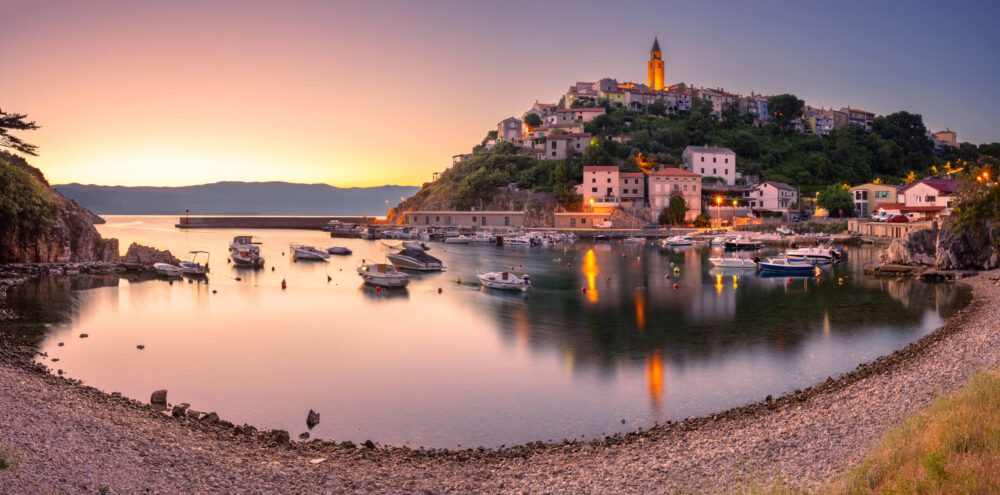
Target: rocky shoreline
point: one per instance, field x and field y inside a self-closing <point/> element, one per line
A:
<point x="69" y="437"/>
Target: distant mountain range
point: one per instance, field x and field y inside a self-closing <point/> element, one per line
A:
<point x="236" y="198"/>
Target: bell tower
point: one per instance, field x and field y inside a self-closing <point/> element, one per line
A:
<point x="654" y="68"/>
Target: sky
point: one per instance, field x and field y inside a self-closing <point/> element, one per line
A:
<point x="385" y="92"/>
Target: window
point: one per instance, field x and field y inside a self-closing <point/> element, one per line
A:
<point x="577" y="145"/>
<point x="506" y="221"/>
<point x="437" y="219"/>
<point x="609" y="191"/>
<point x="702" y="170"/>
<point x="593" y="189"/>
<point x="473" y="219"/>
<point x="553" y="146"/>
<point x="609" y="180"/>
<point x="583" y="221"/>
<point x="727" y="160"/>
<point x="713" y="159"/>
<point x="703" y="159"/>
<point x="447" y="220"/>
<point x="713" y="171"/>
<point x="553" y="153"/>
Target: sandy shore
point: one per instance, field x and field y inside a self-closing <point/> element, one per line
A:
<point x="68" y="438"/>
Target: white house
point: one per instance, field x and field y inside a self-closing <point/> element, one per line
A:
<point x="632" y="186"/>
<point x="772" y="196"/>
<point x="930" y="197"/>
<point x="666" y="183"/>
<point x="557" y="146"/>
<point x="711" y="161"/>
<point x="601" y="187"/>
<point x="509" y="130"/>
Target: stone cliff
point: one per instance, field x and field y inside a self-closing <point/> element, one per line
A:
<point x="71" y="237"/>
<point x="949" y="248"/>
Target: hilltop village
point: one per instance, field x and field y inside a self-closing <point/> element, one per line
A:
<point x="630" y="153"/>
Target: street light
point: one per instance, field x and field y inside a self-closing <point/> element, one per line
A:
<point x="718" y="210"/>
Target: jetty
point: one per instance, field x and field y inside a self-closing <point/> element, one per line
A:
<point x="270" y="222"/>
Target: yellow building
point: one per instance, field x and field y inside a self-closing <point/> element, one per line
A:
<point x="654" y="67"/>
<point x="869" y="197"/>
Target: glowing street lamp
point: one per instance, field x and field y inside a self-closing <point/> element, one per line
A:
<point x="718" y="210"/>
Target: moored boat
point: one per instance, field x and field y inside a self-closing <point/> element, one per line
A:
<point x="339" y="250"/>
<point x="167" y="270"/>
<point x="415" y="259"/>
<point x="505" y="281"/>
<point x="736" y="262"/>
<point x="458" y="239"/>
<point x="786" y="265"/>
<point x="742" y="242"/>
<point x="244" y="251"/>
<point x="383" y="275"/>
<point x="307" y="253"/>
<point x="193" y="267"/>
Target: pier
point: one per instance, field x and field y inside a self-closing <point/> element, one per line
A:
<point x="269" y="222"/>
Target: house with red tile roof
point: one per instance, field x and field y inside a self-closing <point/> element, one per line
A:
<point x="931" y="197"/>
<point x="666" y="183"/>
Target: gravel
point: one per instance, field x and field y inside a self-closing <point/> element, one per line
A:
<point x="70" y="438"/>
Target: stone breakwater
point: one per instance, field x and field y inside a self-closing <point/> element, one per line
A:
<point x="67" y="437"/>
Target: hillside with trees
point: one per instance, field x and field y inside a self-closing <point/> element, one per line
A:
<point x="897" y="150"/>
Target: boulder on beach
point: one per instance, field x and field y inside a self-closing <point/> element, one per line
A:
<point x="159" y="397"/>
<point x="145" y="255"/>
<point x="180" y="410"/>
<point x="210" y="418"/>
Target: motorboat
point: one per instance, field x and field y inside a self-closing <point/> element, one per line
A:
<point x="786" y="265"/>
<point x="676" y="241"/>
<point x="193" y="267"/>
<point x="458" y="239"/>
<point x="383" y="275"/>
<point x="633" y="240"/>
<point x="244" y="251"/>
<point x="718" y="240"/>
<point x="521" y="240"/>
<point x="505" y="281"/>
<point x="602" y="237"/>
<point x="784" y="231"/>
<point x="338" y="250"/>
<point x="167" y="270"/>
<point x="822" y="254"/>
<point x="307" y="253"/>
<point x="416" y="245"/>
<point x="415" y="259"/>
<point x="736" y="262"/>
<point x="742" y="242"/>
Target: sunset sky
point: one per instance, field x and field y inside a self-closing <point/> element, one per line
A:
<point x="372" y="93"/>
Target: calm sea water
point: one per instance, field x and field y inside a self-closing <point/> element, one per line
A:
<point x="467" y="366"/>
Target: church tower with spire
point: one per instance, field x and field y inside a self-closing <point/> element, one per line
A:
<point x="654" y="67"/>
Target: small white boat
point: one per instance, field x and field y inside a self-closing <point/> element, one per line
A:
<point x="415" y="259"/>
<point x="522" y="240"/>
<point x="339" y="250"/>
<point x="459" y="239"/>
<point x="822" y="254"/>
<point x="784" y="231"/>
<point x="383" y="275"/>
<point x="416" y="245"/>
<point x="193" y="267"/>
<point x="742" y="242"/>
<point x="676" y="241"/>
<point x="167" y="270"/>
<point x="633" y="240"/>
<point x="245" y="252"/>
<point x="732" y="262"/>
<point x="505" y="281"/>
<point x="307" y="253"/>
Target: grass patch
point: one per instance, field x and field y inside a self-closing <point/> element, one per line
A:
<point x="953" y="446"/>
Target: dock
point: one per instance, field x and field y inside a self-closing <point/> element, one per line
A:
<point x="269" y="222"/>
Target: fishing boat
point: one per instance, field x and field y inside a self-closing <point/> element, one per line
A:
<point x="193" y="267"/>
<point x="742" y="242"/>
<point x="307" y="253"/>
<point x="167" y="270"/>
<point x="415" y="259"/>
<point x="505" y="281"/>
<point x="786" y="265"/>
<point x="736" y="262"/>
<point x="245" y="252"/>
<point x="338" y="250"/>
<point x="383" y="275"/>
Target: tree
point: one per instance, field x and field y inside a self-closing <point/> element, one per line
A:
<point x="836" y="199"/>
<point x="785" y="108"/>
<point x="15" y="122"/>
<point x="656" y="109"/>
<point x="595" y="154"/>
<point x="532" y="120"/>
<point x="674" y="213"/>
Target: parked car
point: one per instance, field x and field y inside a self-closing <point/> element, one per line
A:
<point x="800" y="217"/>
<point x="897" y="219"/>
<point x="604" y="225"/>
<point x="914" y="216"/>
<point x="879" y="216"/>
<point x="652" y="226"/>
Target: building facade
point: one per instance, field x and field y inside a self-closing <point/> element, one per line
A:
<point x="711" y="161"/>
<point x="560" y="145"/>
<point x="601" y="187"/>
<point x="772" y="196"/>
<point x="468" y="219"/>
<point x="509" y="130"/>
<point x="654" y="68"/>
<point x="666" y="183"/>
<point x="632" y="187"/>
<point x="869" y="197"/>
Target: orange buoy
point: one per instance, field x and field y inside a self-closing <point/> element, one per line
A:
<point x="789" y="279"/>
<point x="283" y="285"/>
<point x="519" y="265"/>
<point x="440" y="290"/>
<point x="378" y="289"/>
<point x="569" y="265"/>
<point x="583" y="289"/>
<point x="676" y="286"/>
<point x="135" y="278"/>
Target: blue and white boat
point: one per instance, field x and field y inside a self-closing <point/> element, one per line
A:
<point x="786" y="265"/>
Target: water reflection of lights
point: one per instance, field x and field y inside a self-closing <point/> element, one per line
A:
<point x="654" y="379"/>
<point x="735" y="284"/>
<point x="640" y="308"/>
<point x="590" y="271"/>
<point x="718" y="283"/>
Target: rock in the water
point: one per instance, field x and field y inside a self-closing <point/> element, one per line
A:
<point x="146" y="255"/>
<point x="348" y="445"/>
<point x="369" y="444"/>
<point x="312" y="419"/>
<point x="304" y="435"/>
<point x="210" y="418"/>
<point x="140" y="347"/>
<point x="180" y="410"/>
<point x="918" y="247"/>
<point x="159" y="397"/>
<point x="83" y="335"/>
